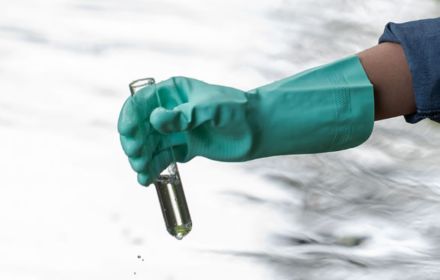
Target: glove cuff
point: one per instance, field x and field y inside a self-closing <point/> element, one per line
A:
<point x="354" y="105"/>
<point x="323" y="109"/>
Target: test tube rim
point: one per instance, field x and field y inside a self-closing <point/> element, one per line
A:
<point x="134" y="84"/>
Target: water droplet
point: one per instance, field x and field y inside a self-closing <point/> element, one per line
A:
<point x="179" y="236"/>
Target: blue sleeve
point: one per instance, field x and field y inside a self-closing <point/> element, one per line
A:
<point x="420" y="41"/>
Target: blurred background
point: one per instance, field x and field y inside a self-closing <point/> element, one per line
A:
<point x="70" y="207"/>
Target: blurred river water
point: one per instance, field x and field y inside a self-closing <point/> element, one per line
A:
<point x="70" y="207"/>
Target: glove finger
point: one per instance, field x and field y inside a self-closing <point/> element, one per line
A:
<point x="132" y="145"/>
<point x="144" y="179"/>
<point x="129" y="118"/>
<point x="140" y="163"/>
<point x="146" y="100"/>
<point x="155" y="167"/>
<point x="136" y="111"/>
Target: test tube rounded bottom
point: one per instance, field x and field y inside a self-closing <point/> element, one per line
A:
<point x="173" y="204"/>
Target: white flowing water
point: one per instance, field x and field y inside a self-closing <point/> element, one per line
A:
<point x="70" y="207"/>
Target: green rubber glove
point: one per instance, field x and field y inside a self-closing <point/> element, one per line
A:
<point x="323" y="109"/>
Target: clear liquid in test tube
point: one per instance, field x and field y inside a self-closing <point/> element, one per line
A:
<point x="169" y="185"/>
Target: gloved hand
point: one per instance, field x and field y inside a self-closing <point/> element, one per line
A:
<point x="323" y="109"/>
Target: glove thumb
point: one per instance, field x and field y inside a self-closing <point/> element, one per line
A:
<point x="177" y="119"/>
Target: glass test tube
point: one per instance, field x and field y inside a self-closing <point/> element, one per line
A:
<point x="169" y="185"/>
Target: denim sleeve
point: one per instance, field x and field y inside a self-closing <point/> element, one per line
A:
<point x="420" y="41"/>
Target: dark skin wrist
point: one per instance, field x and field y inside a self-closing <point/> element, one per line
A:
<point x="388" y="71"/>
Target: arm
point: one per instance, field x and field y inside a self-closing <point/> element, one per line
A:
<point x="388" y="71"/>
<point x="327" y="108"/>
<point x="416" y="48"/>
